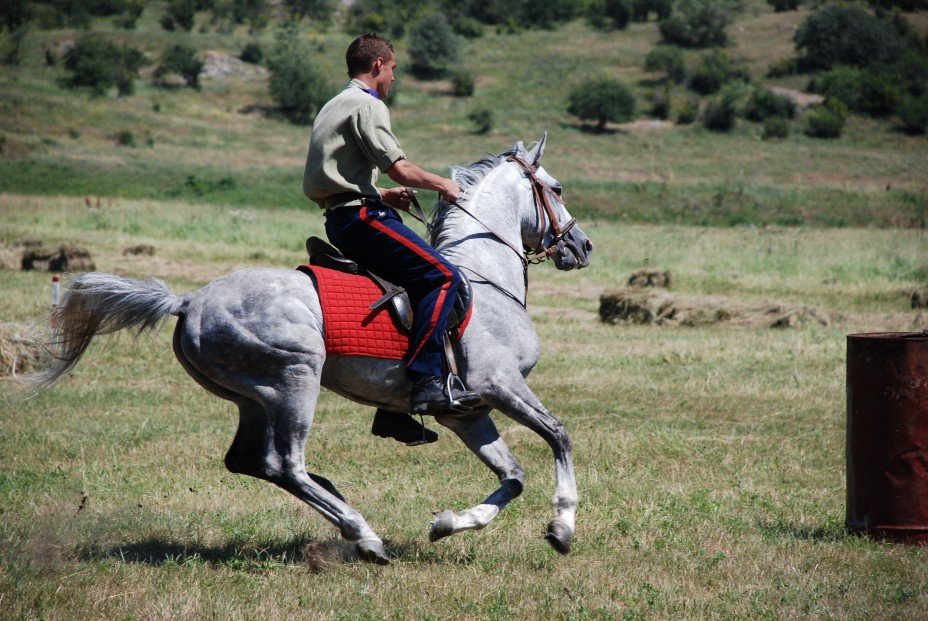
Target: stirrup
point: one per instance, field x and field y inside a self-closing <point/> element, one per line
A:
<point x="455" y="405"/>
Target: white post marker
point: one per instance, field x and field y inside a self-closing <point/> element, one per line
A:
<point x="56" y="283"/>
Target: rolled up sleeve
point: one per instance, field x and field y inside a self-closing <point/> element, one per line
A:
<point x="375" y="136"/>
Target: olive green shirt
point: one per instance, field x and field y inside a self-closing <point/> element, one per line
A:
<point x="351" y="139"/>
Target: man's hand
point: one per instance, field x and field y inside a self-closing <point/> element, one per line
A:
<point x="405" y="172"/>
<point x="398" y="198"/>
<point x="452" y="191"/>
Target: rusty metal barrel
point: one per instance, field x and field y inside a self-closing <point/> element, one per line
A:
<point x="887" y="435"/>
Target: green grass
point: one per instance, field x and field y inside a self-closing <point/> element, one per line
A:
<point x="710" y="460"/>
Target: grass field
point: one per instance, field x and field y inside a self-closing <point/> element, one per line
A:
<point x="710" y="460"/>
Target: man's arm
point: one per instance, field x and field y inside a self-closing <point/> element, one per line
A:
<point x="406" y="173"/>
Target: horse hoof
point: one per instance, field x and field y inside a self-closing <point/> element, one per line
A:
<point x="442" y="525"/>
<point x="558" y="536"/>
<point x="372" y="551"/>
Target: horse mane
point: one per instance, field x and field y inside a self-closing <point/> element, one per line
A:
<point x="468" y="177"/>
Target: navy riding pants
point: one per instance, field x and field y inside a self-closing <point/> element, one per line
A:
<point x="374" y="235"/>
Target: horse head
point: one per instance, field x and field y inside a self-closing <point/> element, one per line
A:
<point x="547" y="226"/>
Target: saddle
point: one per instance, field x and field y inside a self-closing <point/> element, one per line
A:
<point x="394" y="298"/>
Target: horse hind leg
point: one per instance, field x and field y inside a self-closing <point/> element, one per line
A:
<point x="482" y="438"/>
<point x="270" y="445"/>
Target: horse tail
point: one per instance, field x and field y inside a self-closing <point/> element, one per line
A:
<point x="98" y="303"/>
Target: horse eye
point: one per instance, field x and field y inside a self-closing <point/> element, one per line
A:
<point x="558" y="189"/>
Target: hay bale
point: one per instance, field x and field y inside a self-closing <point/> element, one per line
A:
<point x="146" y="249"/>
<point x="66" y="258"/>
<point x="21" y="349"/>
<point x="633" y="306"/>
<point x="920" y="298"/>
<point x="651" y="278"/>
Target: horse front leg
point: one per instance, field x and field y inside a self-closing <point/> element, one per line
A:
<point x="480" y="435"/>
<point x="512" y="396"/>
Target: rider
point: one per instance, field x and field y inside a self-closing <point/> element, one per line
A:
<point x="351" y="141"/>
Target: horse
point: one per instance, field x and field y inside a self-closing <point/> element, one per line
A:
<point x="255" y="337"/>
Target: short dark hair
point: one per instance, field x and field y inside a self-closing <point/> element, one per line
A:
<point x="364" y="50"/>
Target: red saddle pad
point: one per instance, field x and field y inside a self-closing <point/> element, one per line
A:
<point x="351" y="328"/>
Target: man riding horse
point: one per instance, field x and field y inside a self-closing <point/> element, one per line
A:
<point x="351" y="142"/>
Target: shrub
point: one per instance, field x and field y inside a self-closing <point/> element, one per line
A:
<point x="765" y="104"/>
<point x="720" y="115"/>
<point x="610" y="13"/>
<point x="468" y="28"/>
<point x="252" y="53"/>
<point x="715" y="70"/>
<point x="781" y="6"/>
<point x="689" y="111"/>
<point x="846" y="35"/>
<point x="297" y="88"/>
<point x="667" y="59"/>
<point x="660" y="103"/>
<point x="482" y="118"/>
<point x="826" y="121"/>
<point x="433" y="47"/>
<point x="179" y="13"/>
<point x="320" y="10"/>
<point x="641" y="9"/>
<point x="841" y="83"/>
<point x="775" y="128"/>
<point x="125" y="138"/>
<point x="697" y="23"/>
<point x="13" y="14"/>
<point x="602" y="100"/>
<point x="913" y="112"/>
<point x="183" y="61"/>
<point x="97" y="63"/>
<point x="462" y="84"/>
<point x="879" y="92"/>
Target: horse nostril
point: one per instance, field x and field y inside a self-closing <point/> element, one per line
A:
<point x="589" y="246"/>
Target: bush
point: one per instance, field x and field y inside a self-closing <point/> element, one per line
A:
<point x="660" y="103"/>
<point x="179" y="13"/>
<point x="689" y="112"/>
<point x="468" y="28"/>
<point x="697" y="23"/>
<point x="125" y="138"/>
<point x="841" y="83"/>
<point x="765" y="104"/>
<point x="462" y="84"/>
<point x="183" y="61"/>
<point x="715" y="70"/>
<point x="97" y="63"/>
<point x="781" y="6"/>
<point x="252" y="53"/>
<point x="602" y="100"/>
<point x="483" y="119"/>
<point x="319" y="10"/>
<point x="775" y="128"/>
<point x="826" y="121"/>
<point x="667" y="59"/>
<point x="433" y="47"/>
<point x="846" y="35"/>
<point x="913" y="112"/>
<point x="879" y="92"/>
<point x="720" y="115"/>
<point x="609" y="13"/>
<point x="297" y="88"/>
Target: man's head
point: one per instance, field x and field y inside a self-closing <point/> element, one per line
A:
<point x="370" y="58"/>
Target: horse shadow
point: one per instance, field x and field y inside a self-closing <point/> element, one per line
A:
<point x="316" y="554"/>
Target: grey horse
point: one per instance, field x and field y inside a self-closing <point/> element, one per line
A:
<point x="255" y="337"/>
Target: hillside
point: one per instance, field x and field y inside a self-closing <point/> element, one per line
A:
<point x="225" y="144"/>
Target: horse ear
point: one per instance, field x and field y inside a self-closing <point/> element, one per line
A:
<point x="519" y="149"/>
<point x="535" y="154"/>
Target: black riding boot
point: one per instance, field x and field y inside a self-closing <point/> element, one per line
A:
<point x="430" y="396"/>
<point x="401" y="427"/>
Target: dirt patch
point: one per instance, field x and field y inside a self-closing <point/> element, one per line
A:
<point x="21" y="349"/>
<point x="801" y="99"/>
<point x="643" y="126"/>
<point x="664" y="309"/>
<point x="221" y="66"/>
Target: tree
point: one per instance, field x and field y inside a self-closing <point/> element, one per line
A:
<point x="667" y="59"/>
<point x="602" y="100"/>
<point x="433" y="47"/>
<point x="179" y="13"/>
<point x="295" y="85"/>
<point x="846" y="35"/>
<point x="610" y="13"/>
